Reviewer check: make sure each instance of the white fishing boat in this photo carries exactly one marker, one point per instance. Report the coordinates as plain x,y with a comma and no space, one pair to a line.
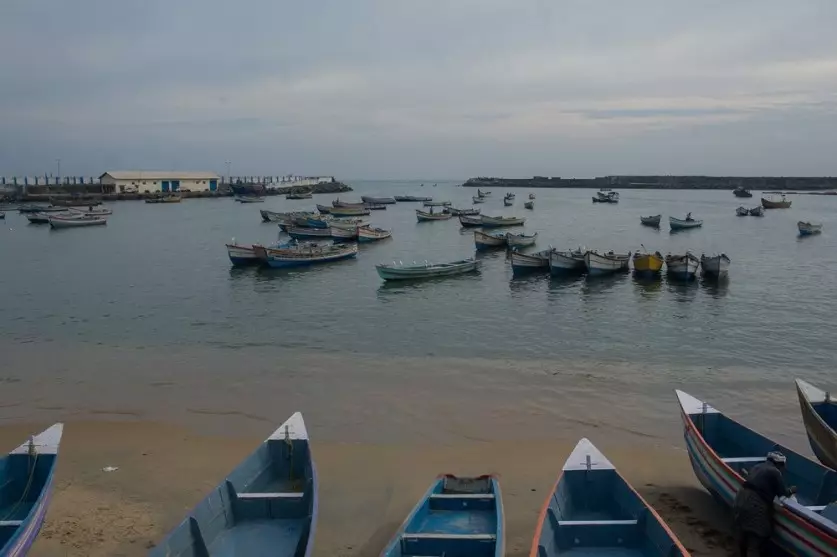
808,228
346,224
463,212
470,221
742,211
715,266
343,234
399,271
40,218
521,240
76,221
478,199
369,234
605,263
683,224
92,211
683,266
423,216
502,221
567,262
489,240
522,262
298,232
242,254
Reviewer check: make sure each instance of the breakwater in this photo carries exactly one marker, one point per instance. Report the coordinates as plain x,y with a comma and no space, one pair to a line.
761,183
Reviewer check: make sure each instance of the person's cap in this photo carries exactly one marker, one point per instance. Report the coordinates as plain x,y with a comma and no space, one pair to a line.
776,457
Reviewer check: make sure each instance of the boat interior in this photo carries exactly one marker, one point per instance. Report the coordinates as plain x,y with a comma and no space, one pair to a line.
595,513
827,410
22,479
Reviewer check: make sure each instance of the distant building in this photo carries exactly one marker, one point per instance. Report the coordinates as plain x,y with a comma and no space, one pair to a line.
130,181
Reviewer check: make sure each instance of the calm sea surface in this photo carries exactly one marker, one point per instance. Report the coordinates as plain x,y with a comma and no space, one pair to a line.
155,286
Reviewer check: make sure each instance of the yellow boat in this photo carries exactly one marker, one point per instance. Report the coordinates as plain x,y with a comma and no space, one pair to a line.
648,263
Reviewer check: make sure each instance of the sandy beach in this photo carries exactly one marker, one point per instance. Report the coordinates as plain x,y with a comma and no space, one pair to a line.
366,489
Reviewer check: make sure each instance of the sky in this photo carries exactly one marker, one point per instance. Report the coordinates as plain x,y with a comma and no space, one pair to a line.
393,89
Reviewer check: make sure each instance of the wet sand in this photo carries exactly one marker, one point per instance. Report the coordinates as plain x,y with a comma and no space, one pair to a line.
366,489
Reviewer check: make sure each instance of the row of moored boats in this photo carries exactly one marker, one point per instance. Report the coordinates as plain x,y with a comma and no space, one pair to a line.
65,217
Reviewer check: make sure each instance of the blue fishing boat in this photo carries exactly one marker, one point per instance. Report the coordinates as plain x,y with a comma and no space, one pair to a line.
721,450
457,517
26,475
594,512
266,506
819,413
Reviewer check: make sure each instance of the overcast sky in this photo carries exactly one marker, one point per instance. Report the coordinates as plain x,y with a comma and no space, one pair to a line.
419,89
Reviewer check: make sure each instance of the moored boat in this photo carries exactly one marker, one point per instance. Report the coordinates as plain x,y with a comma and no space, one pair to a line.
483,193
310,254
75,202
27,476
324,209
344,234
529,205
470,221
683,266
502,221
757,211
299,195
653,221
775,204
605,263
606,197
411,199
164,199
715,266
478,200
648,263
567,262
297,232
346,224
721,450
75,221
437,203
424,216
249,199
819,414
22,209
524,262
91,211
594,512
489,240
38,218
521,240
375,206
368,234
509,195
741,191
531,196
354,204
508,202
266,506
377,200
242,255
349,211
684,224
742,211
313,222
427,270
808,228
463,212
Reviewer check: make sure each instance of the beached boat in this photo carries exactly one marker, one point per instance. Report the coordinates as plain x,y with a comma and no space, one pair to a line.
502,221
26,475
741,191
242,255
427,270
742,211
300,195
349,211
721,449
463,212
521,240
457,517
508,202
164,199
683,266
248,199
653,221
683,224
489,240
567,262
437,203
529,205
478,200
424,216
648,263
310,254
91,211
470,221
368,234
819,414
775,204
377,200
605,263
715,266
411,199
531,196
808,228
297,232
266,506
344,234
524,262
594,512
756,211
75,221
483,193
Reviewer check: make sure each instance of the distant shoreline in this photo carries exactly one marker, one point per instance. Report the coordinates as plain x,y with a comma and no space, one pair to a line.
765,184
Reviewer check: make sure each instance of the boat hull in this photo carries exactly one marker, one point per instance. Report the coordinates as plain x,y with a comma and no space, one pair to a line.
521,240
470,221
648,264
768,204
653,222
426,217
683,267
680,224
344,234
366,234
527,263
565,262
484,241
819,414
241,256
302,233
497,222
808,229
598,264
389,272
377,200
715,266
76,222
301,257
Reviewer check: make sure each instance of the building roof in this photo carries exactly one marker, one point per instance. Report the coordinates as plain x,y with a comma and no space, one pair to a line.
158,175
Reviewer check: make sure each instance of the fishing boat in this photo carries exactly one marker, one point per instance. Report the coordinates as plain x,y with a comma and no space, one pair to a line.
411,199
457,517
315,222
299,195
521,240
375,206
756,211
338,203
477,200
463,212
531,196
606,197
242,255
683,266
74,202
470,221
606,263
742,211
273,216
347,224
567,262
437,203
509,195
324,209
653,221
502,221
377,200
248,199
368,234
508,202
298,233
344,234
648,264
741,191
683,224
349,211
164,199
819,414
715,266
400,271
721,450
775,204
483,193
266,506
594,512
27,475
423,216
524,262
808,228
40,209
310,254
529,205
75,221
91,211
38,218
489,240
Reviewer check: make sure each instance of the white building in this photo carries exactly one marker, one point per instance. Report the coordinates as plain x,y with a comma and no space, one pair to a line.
142,181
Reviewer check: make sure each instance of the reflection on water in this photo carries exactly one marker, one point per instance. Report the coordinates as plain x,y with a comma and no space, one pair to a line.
715,287
683,290
647,284
596,285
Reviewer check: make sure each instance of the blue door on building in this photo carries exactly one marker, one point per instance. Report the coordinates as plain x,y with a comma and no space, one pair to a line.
213,185
175,185
165,185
